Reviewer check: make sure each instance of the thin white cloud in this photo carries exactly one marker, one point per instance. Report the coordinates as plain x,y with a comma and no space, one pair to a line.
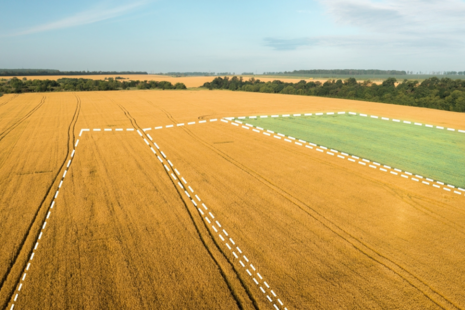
96,14
391,24
283,44
399,16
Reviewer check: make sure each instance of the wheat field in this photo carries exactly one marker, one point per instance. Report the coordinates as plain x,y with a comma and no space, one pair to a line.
316,233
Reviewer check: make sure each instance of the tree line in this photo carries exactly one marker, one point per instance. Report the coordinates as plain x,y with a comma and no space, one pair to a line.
180,74
32,72
443,94
15,85
454,72
341,72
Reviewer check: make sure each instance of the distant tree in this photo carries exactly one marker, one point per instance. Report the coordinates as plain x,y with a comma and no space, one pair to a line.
33,72
180,86
351,81
165,85
248,88
142,85
445,93
288,90
460,104
266,89
17,85
390,82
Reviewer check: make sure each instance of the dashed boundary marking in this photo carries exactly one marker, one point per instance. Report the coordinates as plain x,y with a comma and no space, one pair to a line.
241,258
213,222
43,225
279,136
147,129
216,227
225,119
352,158
381,118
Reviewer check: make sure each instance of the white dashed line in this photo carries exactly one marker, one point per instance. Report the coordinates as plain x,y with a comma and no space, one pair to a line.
207,219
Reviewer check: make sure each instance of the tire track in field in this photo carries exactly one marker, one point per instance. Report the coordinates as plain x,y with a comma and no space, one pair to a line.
243,284
359,245
31,232
191,216
13,97
412,201
22,119
409,199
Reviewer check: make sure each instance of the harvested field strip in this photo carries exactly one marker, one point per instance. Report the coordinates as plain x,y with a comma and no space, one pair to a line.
436,154
214,225
355,159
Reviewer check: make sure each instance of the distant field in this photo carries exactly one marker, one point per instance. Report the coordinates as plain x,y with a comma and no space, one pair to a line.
434,153
325,77
189,81
198,81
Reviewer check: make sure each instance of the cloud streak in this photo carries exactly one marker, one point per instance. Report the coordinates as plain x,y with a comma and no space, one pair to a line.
398,16
413,24
289,44
94,15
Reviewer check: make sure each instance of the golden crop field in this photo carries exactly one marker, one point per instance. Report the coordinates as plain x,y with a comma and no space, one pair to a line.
205,215
189,81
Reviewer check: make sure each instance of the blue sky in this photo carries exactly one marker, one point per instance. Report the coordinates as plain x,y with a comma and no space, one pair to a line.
234,36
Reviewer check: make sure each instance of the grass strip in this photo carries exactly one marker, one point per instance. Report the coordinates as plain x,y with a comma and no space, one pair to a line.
430,152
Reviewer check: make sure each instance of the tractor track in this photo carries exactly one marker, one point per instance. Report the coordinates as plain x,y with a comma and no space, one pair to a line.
363,248
4,133
222,272
7,101
34,233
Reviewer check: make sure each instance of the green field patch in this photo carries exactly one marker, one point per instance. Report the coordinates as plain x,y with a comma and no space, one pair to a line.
430,152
